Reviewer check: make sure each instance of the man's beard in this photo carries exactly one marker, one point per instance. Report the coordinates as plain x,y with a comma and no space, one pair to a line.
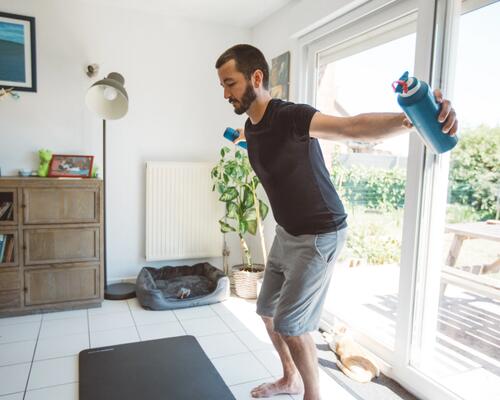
246,101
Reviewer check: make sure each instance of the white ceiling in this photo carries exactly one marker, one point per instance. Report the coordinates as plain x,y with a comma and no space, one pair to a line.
242,13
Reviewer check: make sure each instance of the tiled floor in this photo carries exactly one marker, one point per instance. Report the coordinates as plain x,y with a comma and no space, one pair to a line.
39,353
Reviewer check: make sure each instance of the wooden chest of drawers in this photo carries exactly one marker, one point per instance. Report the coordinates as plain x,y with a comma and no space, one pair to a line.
51,250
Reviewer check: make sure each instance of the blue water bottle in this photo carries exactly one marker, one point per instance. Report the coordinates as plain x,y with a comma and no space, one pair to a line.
232,134
417,101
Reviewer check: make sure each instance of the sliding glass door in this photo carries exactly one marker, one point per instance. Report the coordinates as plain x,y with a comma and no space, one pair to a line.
353,69
419,279
370,176
456,335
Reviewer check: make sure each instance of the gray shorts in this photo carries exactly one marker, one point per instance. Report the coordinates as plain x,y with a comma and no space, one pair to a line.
296,279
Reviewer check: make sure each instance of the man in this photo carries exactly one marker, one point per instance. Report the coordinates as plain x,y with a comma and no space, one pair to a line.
284,152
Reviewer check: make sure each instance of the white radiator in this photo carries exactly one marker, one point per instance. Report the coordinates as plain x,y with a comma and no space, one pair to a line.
182,212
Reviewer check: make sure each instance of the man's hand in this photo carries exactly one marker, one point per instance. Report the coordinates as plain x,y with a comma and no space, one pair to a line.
447,116
241,131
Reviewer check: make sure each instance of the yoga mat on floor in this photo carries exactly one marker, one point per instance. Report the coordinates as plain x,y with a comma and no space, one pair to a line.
166,369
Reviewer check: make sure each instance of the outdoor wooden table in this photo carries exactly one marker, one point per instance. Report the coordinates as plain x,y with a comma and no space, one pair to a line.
489,230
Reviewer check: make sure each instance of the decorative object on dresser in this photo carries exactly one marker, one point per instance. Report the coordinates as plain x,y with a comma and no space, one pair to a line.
17,39
71,166
50,244
109,100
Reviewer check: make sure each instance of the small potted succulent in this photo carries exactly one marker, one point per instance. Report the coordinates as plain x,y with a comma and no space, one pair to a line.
236,183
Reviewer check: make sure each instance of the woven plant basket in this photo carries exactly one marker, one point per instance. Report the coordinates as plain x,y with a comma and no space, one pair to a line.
245,282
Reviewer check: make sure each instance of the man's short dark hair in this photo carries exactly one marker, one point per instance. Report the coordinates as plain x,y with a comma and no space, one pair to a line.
248,59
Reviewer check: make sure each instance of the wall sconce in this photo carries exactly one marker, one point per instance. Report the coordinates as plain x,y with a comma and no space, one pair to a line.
92,70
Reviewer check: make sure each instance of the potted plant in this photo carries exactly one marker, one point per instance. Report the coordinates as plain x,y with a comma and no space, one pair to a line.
237,184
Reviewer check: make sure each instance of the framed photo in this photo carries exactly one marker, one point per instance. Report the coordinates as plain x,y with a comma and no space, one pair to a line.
18,52
280,76
71,166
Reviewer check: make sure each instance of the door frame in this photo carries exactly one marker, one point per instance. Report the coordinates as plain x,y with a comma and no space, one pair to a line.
425,195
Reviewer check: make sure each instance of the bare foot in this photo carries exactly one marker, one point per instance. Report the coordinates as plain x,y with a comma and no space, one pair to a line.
281,386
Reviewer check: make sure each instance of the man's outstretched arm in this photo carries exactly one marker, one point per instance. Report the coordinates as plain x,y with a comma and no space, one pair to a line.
375,126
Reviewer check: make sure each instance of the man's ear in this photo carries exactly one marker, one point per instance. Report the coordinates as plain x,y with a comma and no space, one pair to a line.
257,78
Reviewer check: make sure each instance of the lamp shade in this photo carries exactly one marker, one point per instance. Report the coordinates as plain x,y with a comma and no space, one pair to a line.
108,98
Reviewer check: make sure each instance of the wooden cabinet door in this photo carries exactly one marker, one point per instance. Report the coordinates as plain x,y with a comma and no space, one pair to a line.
9,280
10,283
10,299
60,205
61,284
60,245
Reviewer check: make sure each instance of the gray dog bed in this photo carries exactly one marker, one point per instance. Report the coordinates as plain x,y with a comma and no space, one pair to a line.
160,288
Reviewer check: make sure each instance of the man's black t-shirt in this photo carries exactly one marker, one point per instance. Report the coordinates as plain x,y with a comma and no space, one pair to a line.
292,170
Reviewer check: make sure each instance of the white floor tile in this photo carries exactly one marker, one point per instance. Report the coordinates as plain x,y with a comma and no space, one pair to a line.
19,332
13,378
57,347
134,304
194,312
159,331
145,317
17,352
240,368
221,345
271,360
61,392
205,326
65,314
106,322
114,336
58,371
234,305
63,327
109,307
234,322
20,320
244,321
255,341
242,391
330,389
15,396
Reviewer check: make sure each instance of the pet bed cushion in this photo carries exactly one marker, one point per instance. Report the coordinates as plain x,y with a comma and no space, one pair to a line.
158,288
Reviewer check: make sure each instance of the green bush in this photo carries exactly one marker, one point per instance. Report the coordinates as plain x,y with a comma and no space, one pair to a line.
372,243
474,170
375,188
456,213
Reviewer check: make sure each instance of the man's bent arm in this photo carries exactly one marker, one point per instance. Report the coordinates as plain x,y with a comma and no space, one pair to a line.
362,127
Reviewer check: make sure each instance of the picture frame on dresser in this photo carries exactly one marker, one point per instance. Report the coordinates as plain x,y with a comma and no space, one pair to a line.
71,166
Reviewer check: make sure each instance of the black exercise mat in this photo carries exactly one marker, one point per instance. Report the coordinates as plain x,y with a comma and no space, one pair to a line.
166,369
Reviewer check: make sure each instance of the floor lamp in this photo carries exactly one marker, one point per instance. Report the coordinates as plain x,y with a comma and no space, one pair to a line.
109,100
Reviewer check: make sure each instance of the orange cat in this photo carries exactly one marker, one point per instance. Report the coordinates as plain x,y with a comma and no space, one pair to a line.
352,359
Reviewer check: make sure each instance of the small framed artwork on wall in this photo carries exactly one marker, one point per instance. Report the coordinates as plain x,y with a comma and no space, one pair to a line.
71,166
280,76
18,52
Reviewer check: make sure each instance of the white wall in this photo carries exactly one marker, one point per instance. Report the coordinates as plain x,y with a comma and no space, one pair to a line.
280,32
177,111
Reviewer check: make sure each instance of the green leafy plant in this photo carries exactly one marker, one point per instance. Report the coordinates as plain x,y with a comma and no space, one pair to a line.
236,183
474,171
